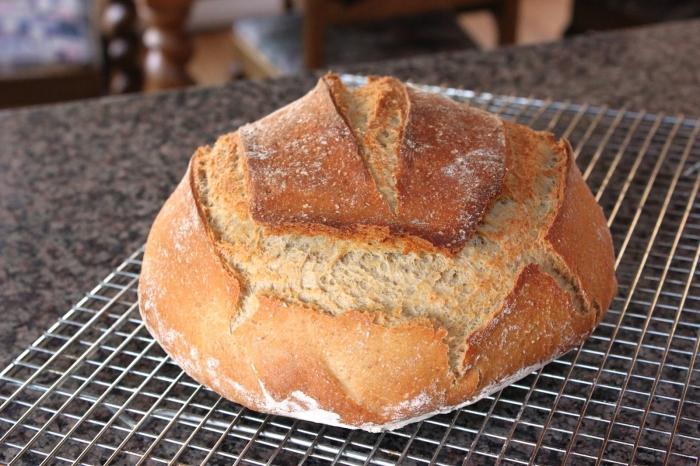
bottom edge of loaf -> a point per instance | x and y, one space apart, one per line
394 425
322 416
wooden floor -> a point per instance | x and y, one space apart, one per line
540 21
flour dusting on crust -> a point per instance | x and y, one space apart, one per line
298 405
411 405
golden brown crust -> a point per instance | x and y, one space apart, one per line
580 236
537 321
366 370
451 169
305 170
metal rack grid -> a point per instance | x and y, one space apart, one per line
95 388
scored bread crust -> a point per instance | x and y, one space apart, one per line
308 167
353 369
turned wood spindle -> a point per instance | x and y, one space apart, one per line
121 46
168 47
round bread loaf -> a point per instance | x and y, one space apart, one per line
368 257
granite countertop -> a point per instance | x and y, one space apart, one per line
81 182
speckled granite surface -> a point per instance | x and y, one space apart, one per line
80 183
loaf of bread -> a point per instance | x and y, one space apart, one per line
368 257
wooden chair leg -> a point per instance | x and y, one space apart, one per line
507 20
168 47
314 29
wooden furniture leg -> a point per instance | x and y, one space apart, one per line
314 28
507 20
121 47
168 47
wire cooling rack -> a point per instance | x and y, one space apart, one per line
96 389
